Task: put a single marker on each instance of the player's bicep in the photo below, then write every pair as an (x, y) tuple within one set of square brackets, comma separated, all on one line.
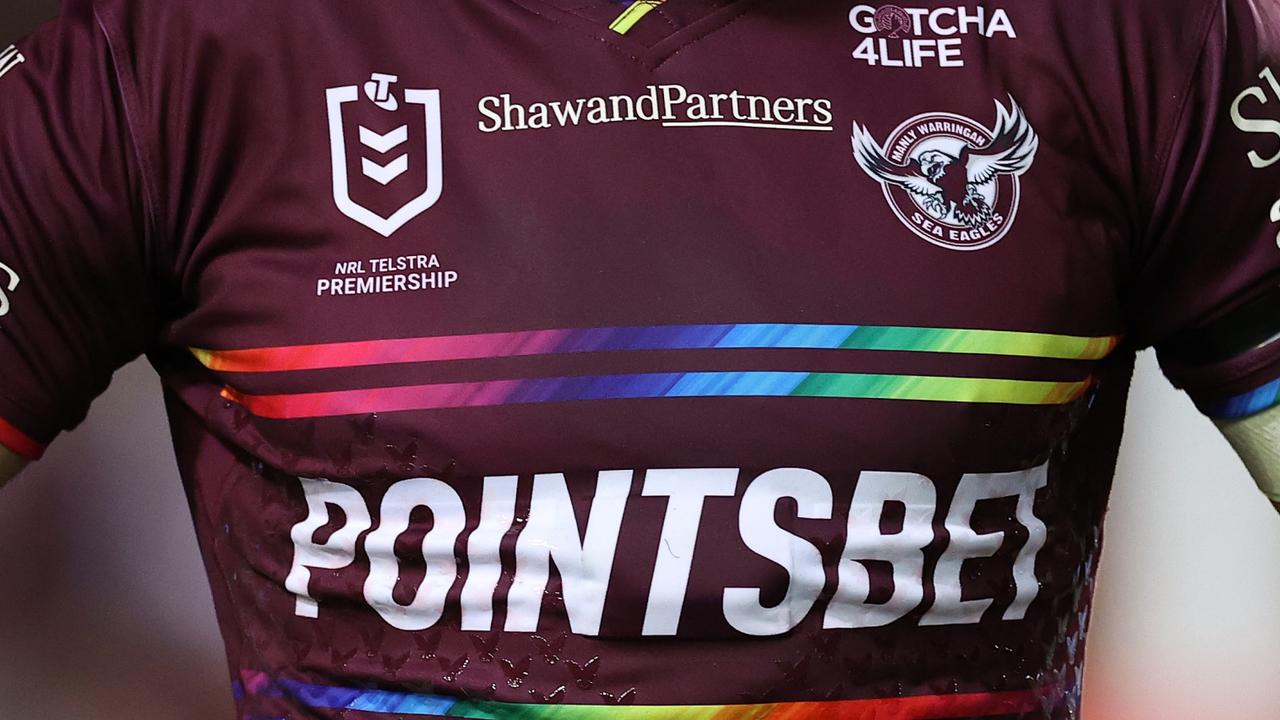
[(74, 273)]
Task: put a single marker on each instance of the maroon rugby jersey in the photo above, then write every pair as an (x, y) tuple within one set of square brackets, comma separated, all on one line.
[(701, 359)]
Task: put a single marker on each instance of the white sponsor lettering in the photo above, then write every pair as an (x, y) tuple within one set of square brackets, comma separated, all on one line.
[(909, 52), (1264, 126), (959, 20), (904, 550), (581, 539), (448, 519), (802, 561), (8, 283), (686, 492), (671, 105), (386, 275), (912, 37), (383, 284), (948, 608), (585, 562), (338, 551), (497, 513)]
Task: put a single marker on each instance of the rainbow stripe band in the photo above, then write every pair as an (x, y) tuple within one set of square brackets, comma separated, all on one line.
[(669, 337), (660, 385), (19, 442), (1246, 404), (929, 707)]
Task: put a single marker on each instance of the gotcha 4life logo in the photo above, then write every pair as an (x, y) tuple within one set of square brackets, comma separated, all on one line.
[(386, 151), (949, 178), (913, 37)]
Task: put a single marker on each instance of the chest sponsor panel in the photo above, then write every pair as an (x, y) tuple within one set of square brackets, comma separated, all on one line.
[(692, 553)]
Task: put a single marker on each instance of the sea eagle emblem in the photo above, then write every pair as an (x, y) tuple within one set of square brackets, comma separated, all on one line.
[(961, 174)]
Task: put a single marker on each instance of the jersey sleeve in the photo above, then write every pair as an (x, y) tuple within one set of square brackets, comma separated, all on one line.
[(1208, 289), (74, 274)]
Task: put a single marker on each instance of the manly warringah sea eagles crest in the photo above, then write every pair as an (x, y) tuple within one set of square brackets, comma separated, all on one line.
[(950, 179)]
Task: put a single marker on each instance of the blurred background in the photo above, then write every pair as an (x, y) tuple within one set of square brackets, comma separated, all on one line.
[(105, 612)]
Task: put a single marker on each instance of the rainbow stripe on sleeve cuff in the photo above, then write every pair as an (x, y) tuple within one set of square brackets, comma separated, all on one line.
[(1245, 404), (19, 442)]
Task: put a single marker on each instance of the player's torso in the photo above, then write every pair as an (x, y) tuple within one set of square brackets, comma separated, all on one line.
[(539, 173), (495, 269)]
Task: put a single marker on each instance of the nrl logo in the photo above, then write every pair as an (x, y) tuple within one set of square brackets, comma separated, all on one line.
[(384, 152), (950, 179)]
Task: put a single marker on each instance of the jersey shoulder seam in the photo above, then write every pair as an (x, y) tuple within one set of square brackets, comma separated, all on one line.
[(1164, 148), (131, 102)]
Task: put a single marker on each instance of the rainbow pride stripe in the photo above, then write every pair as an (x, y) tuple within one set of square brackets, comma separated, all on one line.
[(929, 707), (777, 384), (668, 337), (19, 442), (659, 385), (1246, 404)]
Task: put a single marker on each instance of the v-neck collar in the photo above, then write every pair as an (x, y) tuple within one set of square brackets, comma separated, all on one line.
[(657, 36)]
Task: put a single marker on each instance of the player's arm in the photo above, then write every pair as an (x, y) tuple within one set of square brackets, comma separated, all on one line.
[(10, 464), (1257, 440), (1208, 290), (78, 234)]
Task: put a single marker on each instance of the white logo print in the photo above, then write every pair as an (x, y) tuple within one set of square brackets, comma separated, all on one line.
[(7, 286), (10, 58), (918, 37), (949, 178), (1268, 124), (380, 92), (462, 589)]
